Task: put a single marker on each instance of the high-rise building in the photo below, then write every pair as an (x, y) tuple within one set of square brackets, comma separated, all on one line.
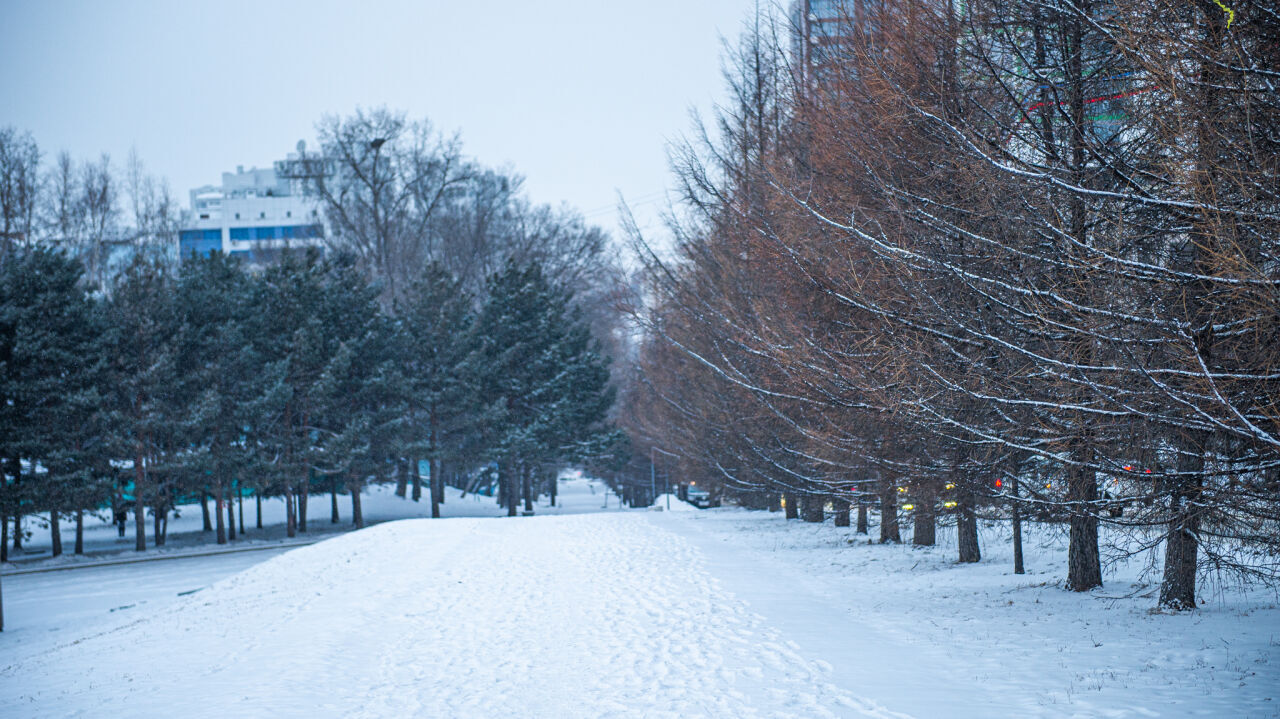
[(254, 214), (822, 29)]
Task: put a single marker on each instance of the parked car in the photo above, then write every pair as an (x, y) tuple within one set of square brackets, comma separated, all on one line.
[(698, 497)]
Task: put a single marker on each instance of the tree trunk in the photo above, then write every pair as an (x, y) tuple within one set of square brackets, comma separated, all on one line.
[(290, 516), (402, 478), (433, 467), (79, 531), (862, 517), (1084, 564), (304, 493), (507, 488), (812, 509), (924, 521), (16, 464), (139, 527), (1181, 549), (219, 515), (240, 501), (791, 505), (1017, 528), (333, 503), (204, 508), (416, 478), (967, 529), (231, 517), (889, 514), (555, 489), (841, 507), (438, 484), (357, 517), (1178, 586), (257, 500), (139, 511), (526, 488), (156, 514), (4, 538), (55, 533)]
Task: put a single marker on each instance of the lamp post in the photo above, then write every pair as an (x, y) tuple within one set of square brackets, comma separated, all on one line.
[(380, 249)]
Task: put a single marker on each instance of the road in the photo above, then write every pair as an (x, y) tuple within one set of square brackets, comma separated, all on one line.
[(49, 608)]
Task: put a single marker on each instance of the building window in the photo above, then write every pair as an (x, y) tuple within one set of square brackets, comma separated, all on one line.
[(201, 242), (288, 213), (204, 217), (262, 215), (237, 215)]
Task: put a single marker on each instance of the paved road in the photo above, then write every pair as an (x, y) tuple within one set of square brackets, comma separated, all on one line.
[(48, 608)]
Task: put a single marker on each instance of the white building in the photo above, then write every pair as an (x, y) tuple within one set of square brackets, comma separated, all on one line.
[(254, 214)]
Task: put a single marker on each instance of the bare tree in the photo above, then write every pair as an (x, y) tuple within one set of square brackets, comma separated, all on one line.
[(20, 185)]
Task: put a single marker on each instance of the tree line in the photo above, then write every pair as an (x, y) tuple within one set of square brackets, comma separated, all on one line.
[(985, 260), (156, 380)]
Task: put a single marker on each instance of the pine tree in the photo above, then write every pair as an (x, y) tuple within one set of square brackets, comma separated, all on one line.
[(294, 342), (218, 376), (48, 335), (547, 386), (140, 377), (437, 346), (359, 388)]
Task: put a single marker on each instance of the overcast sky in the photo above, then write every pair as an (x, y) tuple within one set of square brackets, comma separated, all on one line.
[(580, 96)]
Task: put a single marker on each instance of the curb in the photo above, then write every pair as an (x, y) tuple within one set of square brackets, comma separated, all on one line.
[(157, 558)]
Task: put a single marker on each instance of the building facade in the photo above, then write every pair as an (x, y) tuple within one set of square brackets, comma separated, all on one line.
[(254, 214), (821, 30)]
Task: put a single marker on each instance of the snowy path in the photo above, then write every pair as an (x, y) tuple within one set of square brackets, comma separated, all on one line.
[(573, 616)]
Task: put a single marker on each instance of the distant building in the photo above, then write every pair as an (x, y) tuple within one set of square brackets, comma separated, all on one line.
[(254, 214), (822, 30)]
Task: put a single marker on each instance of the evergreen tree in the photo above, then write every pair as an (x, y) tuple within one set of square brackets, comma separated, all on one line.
[(359, 389), (48, 370), (437, 345), (294, 343), (547, 385), (219, 374)]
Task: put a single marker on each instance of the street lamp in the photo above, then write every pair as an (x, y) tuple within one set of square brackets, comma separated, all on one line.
[(376, 145)]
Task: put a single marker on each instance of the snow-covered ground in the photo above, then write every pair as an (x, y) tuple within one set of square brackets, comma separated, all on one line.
[(378, 504), (914, 631), (718, 613)]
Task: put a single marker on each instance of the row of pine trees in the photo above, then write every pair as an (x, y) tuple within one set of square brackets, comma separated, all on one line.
[(211, 380)]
